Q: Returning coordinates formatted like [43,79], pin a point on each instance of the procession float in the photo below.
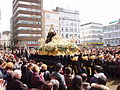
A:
[56,46]
[54,49]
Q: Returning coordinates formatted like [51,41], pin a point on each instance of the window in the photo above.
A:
[66,29]
[28,3]
[62,29]
[32,42]
[75,29]
[28,35]
[116,27]
[95,27]
[71,35]
[75,24]
[28,22]
[47,16]
[28,28]
[66,35]
[71,29]
[27,15]
[27,9]
[62,35]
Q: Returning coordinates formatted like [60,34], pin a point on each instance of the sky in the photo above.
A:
[99,11]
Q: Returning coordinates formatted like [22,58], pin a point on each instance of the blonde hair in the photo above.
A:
[36,68]
[8,65]
[44,67]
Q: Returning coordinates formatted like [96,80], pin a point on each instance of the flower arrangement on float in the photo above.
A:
[59,46]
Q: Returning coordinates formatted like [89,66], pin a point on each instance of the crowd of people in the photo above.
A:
[19,70]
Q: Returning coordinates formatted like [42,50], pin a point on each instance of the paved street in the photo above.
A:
[113,83]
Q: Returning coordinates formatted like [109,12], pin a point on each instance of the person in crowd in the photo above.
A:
[24,53]
[85,85]
[76,83]
[8,72]
[99,76]
[48,86]
[68,76]
[2,84]
[55,84]
[45,71]
[109,60]
[118,87]
[95,86]
[57,75]
[39,64]
[28,75]
[23,69]
[1,65]
[16,84]
[37,80]
[19,64]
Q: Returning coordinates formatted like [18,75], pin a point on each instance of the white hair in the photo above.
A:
[55,82]
[17,72]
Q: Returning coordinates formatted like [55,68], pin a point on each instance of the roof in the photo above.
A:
[47,11]
[91,23]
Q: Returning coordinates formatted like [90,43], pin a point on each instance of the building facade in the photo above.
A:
[26,22]
[50,19]
[91,34]
[69,23]
[5,39]
[112,34]
[0,19]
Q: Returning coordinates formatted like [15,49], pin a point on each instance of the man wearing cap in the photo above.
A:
[57,75]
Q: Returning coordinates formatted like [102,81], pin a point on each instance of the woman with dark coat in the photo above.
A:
[76,83]
[68,76]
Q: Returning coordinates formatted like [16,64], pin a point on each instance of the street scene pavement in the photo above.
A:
[113,83]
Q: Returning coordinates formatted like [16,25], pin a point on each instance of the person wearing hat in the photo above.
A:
[57,75]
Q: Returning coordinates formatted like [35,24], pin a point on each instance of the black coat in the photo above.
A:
[16,84]
[28,76]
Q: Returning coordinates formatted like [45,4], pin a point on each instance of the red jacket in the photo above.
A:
[37,81]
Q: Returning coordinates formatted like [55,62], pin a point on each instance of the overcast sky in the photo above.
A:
[99,11]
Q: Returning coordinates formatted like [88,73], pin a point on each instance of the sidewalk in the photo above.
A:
[113,83]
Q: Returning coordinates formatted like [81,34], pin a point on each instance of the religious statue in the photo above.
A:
[51,34]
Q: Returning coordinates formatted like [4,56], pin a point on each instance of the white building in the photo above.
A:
[69,23]
[112,34]
[51,18]
[91,34]
[5,39]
